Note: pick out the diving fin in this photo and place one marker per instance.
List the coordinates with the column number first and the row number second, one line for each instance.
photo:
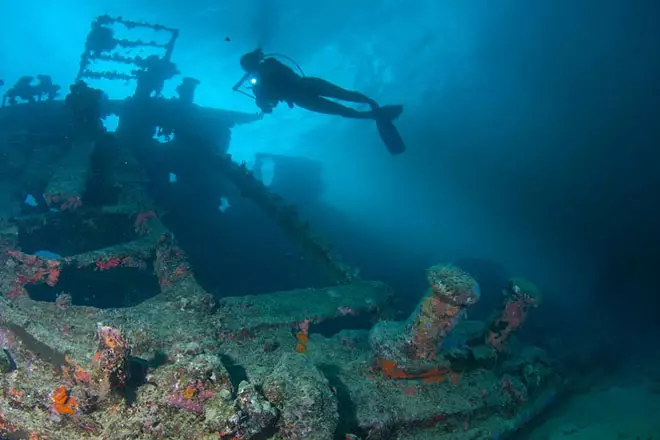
column 386, row 129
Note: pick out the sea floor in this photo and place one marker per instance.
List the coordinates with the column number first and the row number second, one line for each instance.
column 620, row 407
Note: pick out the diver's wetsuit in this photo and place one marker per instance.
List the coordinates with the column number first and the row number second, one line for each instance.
column 274, row 82
column 277, row 82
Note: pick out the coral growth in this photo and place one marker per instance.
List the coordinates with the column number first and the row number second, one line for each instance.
column 303, row 337
column 191, row 397
column 110, row 362
column 451, row 291
column 62, row 402
column 108, row 263
column 403, row 387
column 520, row 297
column 411, row 347
column 438, row 374
column 31, row 269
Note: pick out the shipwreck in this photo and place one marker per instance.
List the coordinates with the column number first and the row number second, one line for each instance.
column 110, row 334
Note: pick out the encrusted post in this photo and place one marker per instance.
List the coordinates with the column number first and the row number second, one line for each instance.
column 410, row 349
column 452, row 292
column 519, row 297
column 110, row 368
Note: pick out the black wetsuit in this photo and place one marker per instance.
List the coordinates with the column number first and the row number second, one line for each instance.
column 276, row 82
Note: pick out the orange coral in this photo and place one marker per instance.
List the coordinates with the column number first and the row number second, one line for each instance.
column 189, row 393
column 63, row 403
column 438, row 374
column 302, row 337
column 389, row 367
column 111, row 338
column 110, row 341
column 303, row 340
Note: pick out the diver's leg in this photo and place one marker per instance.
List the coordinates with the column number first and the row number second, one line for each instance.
column 321, row 87
column 319, row 104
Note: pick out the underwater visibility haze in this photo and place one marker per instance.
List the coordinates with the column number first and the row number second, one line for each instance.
column 274, row 219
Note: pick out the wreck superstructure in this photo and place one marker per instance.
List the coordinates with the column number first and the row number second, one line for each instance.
column 182, row 363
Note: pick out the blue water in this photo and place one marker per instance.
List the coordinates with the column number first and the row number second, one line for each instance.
column 532, row 141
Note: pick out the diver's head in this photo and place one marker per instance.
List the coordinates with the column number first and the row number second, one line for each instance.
column 250, row 61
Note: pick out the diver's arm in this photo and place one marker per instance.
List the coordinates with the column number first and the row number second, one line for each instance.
column 239, row 83
column 263, row 102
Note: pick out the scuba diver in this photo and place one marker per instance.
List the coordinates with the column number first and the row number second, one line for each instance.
column 273, row 82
